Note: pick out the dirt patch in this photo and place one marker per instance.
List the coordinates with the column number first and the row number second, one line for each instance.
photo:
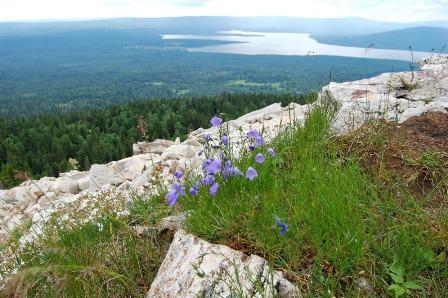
column 414, row 153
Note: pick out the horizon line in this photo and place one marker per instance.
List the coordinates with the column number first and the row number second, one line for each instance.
column 61, row 20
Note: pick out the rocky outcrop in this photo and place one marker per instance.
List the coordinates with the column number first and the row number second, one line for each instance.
column 196, row 268
column 390, row 96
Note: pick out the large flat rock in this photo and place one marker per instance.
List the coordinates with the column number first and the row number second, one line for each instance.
column 196, row 268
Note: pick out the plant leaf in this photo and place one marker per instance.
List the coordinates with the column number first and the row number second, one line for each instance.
column 397, row 278
column 410, row 284
column 397, row 269
column 398, row 291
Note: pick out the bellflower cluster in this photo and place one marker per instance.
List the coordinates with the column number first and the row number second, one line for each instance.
column 219, row 162
column 256, row 137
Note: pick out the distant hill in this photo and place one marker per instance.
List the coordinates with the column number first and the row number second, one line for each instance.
column 196, row 25
column 420, row 38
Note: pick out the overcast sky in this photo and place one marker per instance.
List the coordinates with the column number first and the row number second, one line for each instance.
column 389, row 10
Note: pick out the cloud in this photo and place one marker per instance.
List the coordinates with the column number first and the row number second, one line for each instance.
column 386, row 10
column 194, row 3
column 187, row 2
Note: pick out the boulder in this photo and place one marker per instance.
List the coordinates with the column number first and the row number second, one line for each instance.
column 172, row 223
column 24, row 196
column 178, row 151
column 131, row 167
column 64, row 185
column 263, row 114
column 196, row 268
column 74, row 174
column 101, row 175
column 140, row 180
column 192, row 141
column 84, row 183
column 157, row 147
column 8, row 196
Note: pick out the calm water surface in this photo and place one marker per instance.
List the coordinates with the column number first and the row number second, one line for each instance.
column 260, row 43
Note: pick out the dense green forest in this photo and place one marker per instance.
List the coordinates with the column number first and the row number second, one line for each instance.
column 57, row 72
column 41, row 146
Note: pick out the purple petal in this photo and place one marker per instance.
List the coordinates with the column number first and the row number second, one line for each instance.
column 214, row 189
column 179, row 188
column 178, row 174
column 251, row 174
column 208, row 180
column 253, row 134
column 216, row 121
column 214, row 167
column 259, row 158
column 206, row 163
column 194, row 191
column 225, row 139
column 172, row 197
column 260, row 141
column 271, row 152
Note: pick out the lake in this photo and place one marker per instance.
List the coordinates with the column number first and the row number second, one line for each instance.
column 261, row 43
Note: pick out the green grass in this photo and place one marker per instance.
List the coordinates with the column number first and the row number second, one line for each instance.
column 102, row 258
column 341, row 221
column 408, row 85
column 16, row 234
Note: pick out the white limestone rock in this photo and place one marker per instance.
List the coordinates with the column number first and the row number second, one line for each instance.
column 24, row 196
column 100, row 175
column 74, row 174
column 266, row 113
column 8, row 196
column 131, row 166
column 386, row 97
column 140, row 181
column 84, row 183
column 179, row 151
column 156, row 147
column 64, row 185
column 196, row 268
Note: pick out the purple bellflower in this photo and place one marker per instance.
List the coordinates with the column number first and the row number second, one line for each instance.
column 251, row 174
column 283, row 227
column 176, row 191
column 194, row 190
column 214, row 167
column 253, row 134
column 259, row 158
column 178, row 174
column 225, row 139
column 172, row 197
column 208, row 180
column 216, row 121
column 214, row 189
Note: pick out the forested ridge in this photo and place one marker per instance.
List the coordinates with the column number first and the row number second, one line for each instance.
column 41, row 146
column 50, row 73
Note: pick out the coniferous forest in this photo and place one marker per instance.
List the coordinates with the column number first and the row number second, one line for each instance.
column 42, row 146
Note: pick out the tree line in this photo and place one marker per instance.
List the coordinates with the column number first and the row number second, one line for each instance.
column 42, row 146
